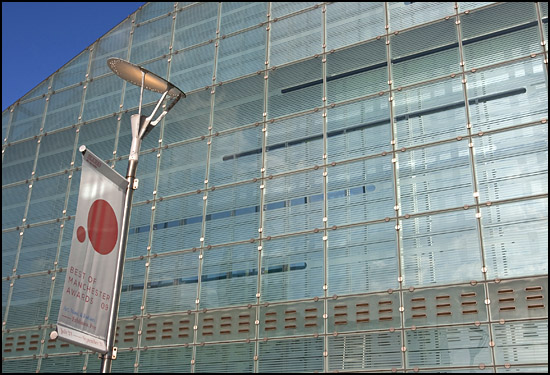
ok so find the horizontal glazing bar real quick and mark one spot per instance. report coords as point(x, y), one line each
point(405, 116)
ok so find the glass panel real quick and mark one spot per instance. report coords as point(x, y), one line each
point(10, 243)
point(296, 37)
point(73, 72)
point(173, 359)
point(226, 270)
point(172, 283)
point(236, 16)
point(406, 14)
point(231, 111)
point(98, 137)
point(488, 39)
point(294, 143)
point(193, 69)
point(521, 342)
point(353, 22)
point(293, 203)
point(360, 191)
point(65, 248)
point(301, 355)
point(507, 95)
point(515, 238)
point(279, 9)
point(434, 45)
point(435, 178)
point(47, 199)
point(463, 6)
point(356, 71)
point(6, 118)
point(241, 54)
point(232, 214)
point(456, 346)
point(40, 90)
point(236, 156)
point(56, 152)
point(358, 129)
point(22, 365)
point(138, 235)
point(188, 119)
point(182, 168)
point(147, 177)
point(195, 24)
point(18, 161)
point(26, 120)
point(224, 325)
point(512, 164)
point(29, 301)
point(152, 10)
point(362, 259)
point(292, 268)
point(178, 224)
point(441, 248)
point(114, 44)
point(14, 201)
point(151, 40)
point(430, 113)
point(234, 358)
point(62, 364)
point(63, 109)
point(295, 88)
point(365, 352)
point(132, 288)
point(102, 97)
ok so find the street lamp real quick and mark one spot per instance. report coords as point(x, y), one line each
point(141, 126)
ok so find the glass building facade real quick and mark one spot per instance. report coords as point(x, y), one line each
point(346, 187)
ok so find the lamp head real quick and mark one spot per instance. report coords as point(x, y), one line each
point(133, 74)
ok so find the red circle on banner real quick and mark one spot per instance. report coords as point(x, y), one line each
point(102, 227)
point(81, 234)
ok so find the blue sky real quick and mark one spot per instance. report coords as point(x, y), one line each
point(38, 38)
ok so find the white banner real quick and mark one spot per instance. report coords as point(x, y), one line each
point(89, 283)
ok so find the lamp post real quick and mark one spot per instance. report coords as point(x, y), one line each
point(141, 126)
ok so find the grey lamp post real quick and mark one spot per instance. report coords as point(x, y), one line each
point(141, 126)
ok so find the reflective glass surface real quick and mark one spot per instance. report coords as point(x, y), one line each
point(346, 187)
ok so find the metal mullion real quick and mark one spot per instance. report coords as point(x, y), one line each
point(67, 194)
point(205, 196)
point(149, 256)
point(263, 180)
point(325, 189)
point(397, 207)
point(21, 234)
point(542, 41)
point(5, 144)
point(474, 181)
point(33, 173)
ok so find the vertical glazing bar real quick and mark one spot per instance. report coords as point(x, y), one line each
point(10, 114)
point(397, 205)
point(325, 189)
point(262, 191)
point(31, 180)
point(70, 177)
point(542, 40)
point(474, 178)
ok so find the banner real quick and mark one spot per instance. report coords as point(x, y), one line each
point(89, 283)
